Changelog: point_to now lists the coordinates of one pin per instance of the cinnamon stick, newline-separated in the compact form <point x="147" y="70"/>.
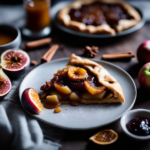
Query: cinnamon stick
<point x="49" y="54"/>
<point x="128" y="54"/>
<point x="38" y="43"/>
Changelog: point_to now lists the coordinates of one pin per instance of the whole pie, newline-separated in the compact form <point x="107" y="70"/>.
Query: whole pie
<point x="99" y="16"/>
<point x="82" y="81"/>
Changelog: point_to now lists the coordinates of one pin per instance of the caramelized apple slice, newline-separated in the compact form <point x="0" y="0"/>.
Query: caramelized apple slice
<point x="62" y="89"/>
<point x="109" y="95"/>
<point x="56" y="93"/>
<point x="74" y="96"/>
<point x="76" y="73"/>
<point x="93" y="90"/>
<point x="52" y="99"/>
<point x="89" y="96"/>
<point x="43" y="95"/>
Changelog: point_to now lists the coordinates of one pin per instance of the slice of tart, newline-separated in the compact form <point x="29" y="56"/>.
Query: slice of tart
<point x="82" y="81"/>
<point x="99" y="16"/>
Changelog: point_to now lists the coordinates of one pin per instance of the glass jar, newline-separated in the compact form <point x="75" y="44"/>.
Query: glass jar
<point x="37" y="16"/>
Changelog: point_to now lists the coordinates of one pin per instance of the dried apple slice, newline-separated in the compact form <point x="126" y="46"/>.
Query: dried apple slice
<point x="104" y="137"/>
<point x="93" y="90"/>
<point x="31" y="101"/>
<point x="62" y="89"/>
<point x="76" y="73"/>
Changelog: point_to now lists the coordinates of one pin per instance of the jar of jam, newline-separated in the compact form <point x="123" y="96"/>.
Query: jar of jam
<point x="37" y="15"/>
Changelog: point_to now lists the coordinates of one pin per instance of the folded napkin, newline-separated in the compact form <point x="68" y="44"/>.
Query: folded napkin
<point x="20" y="131"/>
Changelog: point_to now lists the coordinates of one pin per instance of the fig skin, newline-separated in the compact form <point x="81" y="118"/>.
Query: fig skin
<point x="28" y="103"/>
<point x="15" y="73"/>
<point x="8" y="82"/>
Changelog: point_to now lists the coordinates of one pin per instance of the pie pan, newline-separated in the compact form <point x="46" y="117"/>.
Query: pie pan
<point x="136" y="113"/>
<point x="60" y="4"/>
<point x="81" y="117"/>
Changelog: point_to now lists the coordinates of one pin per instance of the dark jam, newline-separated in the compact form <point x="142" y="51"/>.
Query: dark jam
<point x="99" y="13"/>
<point x="139" y="126"/>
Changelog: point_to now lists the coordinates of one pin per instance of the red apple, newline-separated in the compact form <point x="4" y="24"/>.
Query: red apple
<point x="143" y="52"/>
<point x="144" y="76"/>
<point x="31" y="101"/>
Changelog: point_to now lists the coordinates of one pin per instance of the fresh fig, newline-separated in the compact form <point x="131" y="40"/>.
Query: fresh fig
<point x="5" y="84"/>
<point x="31" y="101"/>
<point x="15" y="62"/>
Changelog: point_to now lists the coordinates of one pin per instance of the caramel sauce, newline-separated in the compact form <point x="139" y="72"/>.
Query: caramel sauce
<point x="37" y="14"/>
<point x="74" y="103"/>
<point x="6" y="38"/>
<point x="105" y="136"/>
<point x="99" y="13"/>
<point x="48" y="105"/>
<point x="57" y="110"/>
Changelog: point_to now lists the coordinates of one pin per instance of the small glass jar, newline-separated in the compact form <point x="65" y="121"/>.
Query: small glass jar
<point x="37" y="17"/>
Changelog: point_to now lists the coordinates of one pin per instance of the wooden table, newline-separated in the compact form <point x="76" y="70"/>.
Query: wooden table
<point x="78" y="140"/>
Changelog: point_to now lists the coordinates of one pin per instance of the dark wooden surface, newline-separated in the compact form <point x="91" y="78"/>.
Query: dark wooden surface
<point x="78" y="140"/>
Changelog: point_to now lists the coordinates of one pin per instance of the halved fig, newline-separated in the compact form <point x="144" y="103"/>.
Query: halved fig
<point x="62" y="89"/>
<point x="5" y="83"/>
<point x="92" y="89"/>
<point x="104" y="137"/>
<point x="15" y="62"/>
<point x="76" y="73"/>
<point x="31" y="101"/>
<point x="53" y="99"/>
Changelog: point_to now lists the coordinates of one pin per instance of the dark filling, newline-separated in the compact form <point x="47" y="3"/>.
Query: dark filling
<point x="99" y="13"/>
<point x="76" y="86"/>
<point x="139" y="126"/>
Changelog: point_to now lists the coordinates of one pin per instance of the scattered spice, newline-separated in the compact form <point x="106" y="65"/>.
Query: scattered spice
<point x="90" y="51"/>
<point x="38" y="43"/>
<point x="118" y="55"/>
<point x="49" y="54"/>
<point x="46" y="87"/>
<point x="34" y="62"/>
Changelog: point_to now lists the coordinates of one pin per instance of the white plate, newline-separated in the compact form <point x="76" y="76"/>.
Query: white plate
<point x="82" y="116"/>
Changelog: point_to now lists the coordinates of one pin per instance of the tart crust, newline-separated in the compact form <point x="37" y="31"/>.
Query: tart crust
<point x="103" y="77"/>
<point x="123" y="24"/>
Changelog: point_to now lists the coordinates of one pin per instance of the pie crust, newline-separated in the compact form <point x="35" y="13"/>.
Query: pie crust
<point x="123" y="24"/>
<point x="111" y="94"/>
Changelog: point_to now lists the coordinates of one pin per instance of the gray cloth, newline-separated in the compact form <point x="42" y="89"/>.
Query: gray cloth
<point x="20" y="131"/>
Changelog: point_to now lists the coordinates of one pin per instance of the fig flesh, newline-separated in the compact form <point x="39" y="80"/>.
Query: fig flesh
<point x="15" y="62"/>
<point x="5" y="83"/>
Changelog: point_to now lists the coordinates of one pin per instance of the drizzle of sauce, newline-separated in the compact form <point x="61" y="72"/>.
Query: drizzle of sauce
<point x="57" y="110"/>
